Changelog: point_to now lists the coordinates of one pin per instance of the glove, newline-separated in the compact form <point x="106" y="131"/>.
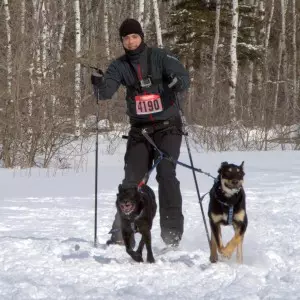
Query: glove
<point x="175" y="84"/>
<point x="97" y="78"/>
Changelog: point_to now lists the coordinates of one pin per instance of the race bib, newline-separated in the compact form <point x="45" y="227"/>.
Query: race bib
<point x="148" y="104"/>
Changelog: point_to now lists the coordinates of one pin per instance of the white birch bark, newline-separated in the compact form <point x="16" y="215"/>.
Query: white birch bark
<point x="233" y="59"/>
<point x="141" y="12"/>
<point x="261" y="41"/>
<point x="157" y="24"/>
<point x="87" y="28"/>
<point x="281" y="59"/>
<point x="108" y="55"/>
<point x="268" y="32"/>
<point x="23" y="11"/>
<point x="106" y="29"/>
<point x="251" y="63"/>
<point x="62" y="31"/>
<point x="147" y="16"/>
<point x="9" y="49"/>
<point x="45" y="38"/>
<point x="191" y="93"/>
<point x="264" y="101"/>
<point x="77" y="89"/>
<point x="294" y="64"/>
<point x="285" y="61"/>
<point x="6" y="142"/>
<point x="34" y="72"/>
<point x="60" y="38"/>
<point x="214" y="53"/>
<point x="36" y="45"/>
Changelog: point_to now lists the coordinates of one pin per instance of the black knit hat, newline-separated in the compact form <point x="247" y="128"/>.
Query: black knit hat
<point x="130" y="26"/>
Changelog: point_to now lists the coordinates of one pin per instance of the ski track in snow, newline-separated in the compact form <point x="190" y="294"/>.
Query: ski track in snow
<point x="38" y="236"/>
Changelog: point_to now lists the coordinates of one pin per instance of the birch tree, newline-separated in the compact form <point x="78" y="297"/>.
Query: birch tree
<point x="107" y="104"/>
<point x="6" y="139"/>
<point x="214" y="53"/>
<point x="23" y="10"/>
<point x="281" y="59"/>
<point x="141" y="12"/>
<point x="77" y="87"/>
<point x="9" y="49"/>
<point x="147" y="16"/>
<point x="266" y="74"/>
<point x="253" y="41"/>
<point x="157" y="24"/>
<point x="233" y="59"/>
<point x="295" y="106"/>
<point x="106" y="30"/>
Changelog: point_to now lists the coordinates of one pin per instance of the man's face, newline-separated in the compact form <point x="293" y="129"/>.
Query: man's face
<point x="131" y="41"/>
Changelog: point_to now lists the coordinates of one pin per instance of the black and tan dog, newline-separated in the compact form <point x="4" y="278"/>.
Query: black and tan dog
<point x="227" y="206"/>
<point x="137" y="209"/>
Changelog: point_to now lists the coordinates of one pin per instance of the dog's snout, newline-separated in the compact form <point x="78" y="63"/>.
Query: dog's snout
<point x="235" y="181"/>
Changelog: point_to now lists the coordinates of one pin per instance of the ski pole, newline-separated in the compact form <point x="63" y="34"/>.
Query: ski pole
<point x="184" y="123"/>
<point x="96" y="165"/>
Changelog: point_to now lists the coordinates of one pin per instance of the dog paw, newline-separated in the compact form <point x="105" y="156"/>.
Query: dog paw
<point x="213" y="258"/>
<point x="137" y="257"/>
<point x="226" y="252"/>
<point x="150" y="259"/>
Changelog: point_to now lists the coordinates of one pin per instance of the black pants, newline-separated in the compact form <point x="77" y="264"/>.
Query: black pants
<point x="139" y="158"/>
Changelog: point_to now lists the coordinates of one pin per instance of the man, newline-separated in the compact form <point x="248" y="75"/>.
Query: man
<point x="146" y="73"/>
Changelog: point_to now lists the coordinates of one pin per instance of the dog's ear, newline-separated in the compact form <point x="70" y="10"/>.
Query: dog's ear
<point x="242" y="165"/>
<point x="223" y="164"/>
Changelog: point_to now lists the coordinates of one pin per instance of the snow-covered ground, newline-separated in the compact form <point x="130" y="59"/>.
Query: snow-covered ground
<point x="44" y="214"/>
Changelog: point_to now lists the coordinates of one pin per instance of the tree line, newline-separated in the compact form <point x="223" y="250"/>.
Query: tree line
<point x="242" y="57"/>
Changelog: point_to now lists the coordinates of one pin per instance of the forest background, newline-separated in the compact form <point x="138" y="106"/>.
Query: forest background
<point x="243" y="58"/>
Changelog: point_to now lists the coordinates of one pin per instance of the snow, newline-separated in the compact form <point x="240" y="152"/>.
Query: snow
<point x="45" y="214"/>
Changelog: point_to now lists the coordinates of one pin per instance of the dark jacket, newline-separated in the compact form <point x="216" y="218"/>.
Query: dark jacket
<point x="163" y="66"/>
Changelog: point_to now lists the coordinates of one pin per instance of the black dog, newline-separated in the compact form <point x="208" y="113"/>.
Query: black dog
<point x="137" y="209"/>
<point x="227" y="206"/>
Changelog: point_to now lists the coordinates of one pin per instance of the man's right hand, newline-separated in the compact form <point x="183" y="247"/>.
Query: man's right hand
<point x="97" y="77"/>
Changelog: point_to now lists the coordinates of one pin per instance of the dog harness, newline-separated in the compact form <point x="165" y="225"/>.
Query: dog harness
<point x="230" y="207"/>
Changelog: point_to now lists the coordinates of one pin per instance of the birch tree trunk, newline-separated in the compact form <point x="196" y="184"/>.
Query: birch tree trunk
<point x="62" y="30"/>
<point x="45" y="38"/>
<point x="106" y="30"/>
<point x="288" y="105"/>
<point x="9" y="49"/>
<point x="251" y="64"/>
<point x="261" y="41"/>
<point x="36" y="45"/>
<point x="107" y="104"/>
<point x="77" y="89"/>
<point x="23" y="11"/>
<point x="141" y="12"/>
<point x="264" y="101"/>
<point x="214" y="54"/>
<point x="233" y="59"/>
<point x="281" y="54"/>
<point x="295" y="83"/>
<point x="157" y="24"/>
<point x="6" y="143"/>
<point x="148" y="14"/>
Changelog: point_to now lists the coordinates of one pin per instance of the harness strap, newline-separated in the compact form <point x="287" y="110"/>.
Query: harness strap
<point x="133" y="227"/>
<point x="137" y="85"/>
<point x="230" y="215"/>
